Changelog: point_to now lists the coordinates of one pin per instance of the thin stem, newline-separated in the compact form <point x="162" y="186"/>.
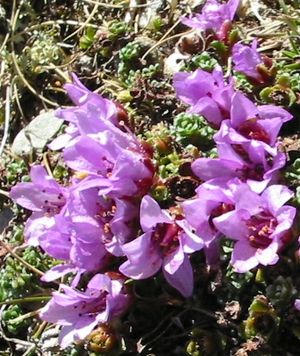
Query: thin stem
<point x="47" y="164"/>
<point x="124" y="6"/>
<point x="7" y="117"/>
<point x="40" y="329"/>
<point x="24" y="317"/>
<point x="4" y="193"/>
<point x="88" y="20"/>
<point x="18" y="301"/>
<point x="21" y="260"/>
<point x="17" y="67"/>
<point x="162" y="40"/>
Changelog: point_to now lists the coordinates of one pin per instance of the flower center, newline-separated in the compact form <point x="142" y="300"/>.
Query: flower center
<point x="165" y="237"/>
<point x="254" y="131"/>
<point x="106" y="214"/>
<point x="221" y="209"/>
<point x="53" y="203"/>
<point x="93" y="306"/>
<point x="255" y="172"/>
<point x="242" y="152"/>
<point x="260" y="227"/>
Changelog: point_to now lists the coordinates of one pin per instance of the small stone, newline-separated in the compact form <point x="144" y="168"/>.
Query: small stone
<point x="36" y="134"/>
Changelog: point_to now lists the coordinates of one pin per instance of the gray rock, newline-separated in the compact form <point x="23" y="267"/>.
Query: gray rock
<point x="49" y="341"/>
<point x="6" y="216"/>
<point x="36" y="134"/>
<point x="150" y="12"/>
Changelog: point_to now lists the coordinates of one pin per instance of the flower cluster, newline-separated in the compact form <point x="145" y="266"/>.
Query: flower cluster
<point x="214" y="17"/>
<point x="85" y="224"/>
<point x="103" y="215"/>
<point x="105" y="224"/>
<point x="240" y="198"/>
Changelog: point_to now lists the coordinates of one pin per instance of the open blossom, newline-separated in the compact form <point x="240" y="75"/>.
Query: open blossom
<point x="248" y="61"/>
<point x="90" y="114"/>
<point x="297" y="304"/>
<point x="165" y="244"/>
<point x="44" y="197"/>
<point x="249" y="122"/>
<point x="116" y="169"/>
<point x="78" y="243"/>
<point x="206" y="93"/>
<point x="43" y="194"/>
<point x="249" y="162"/>
<point x="79" y="312"/>
<point x="214" y="16"/>
<point x="260" y="225"/>
<point x="214" y="198"/>
<point x="97" y="145"/>
<point x="79" y="228"/>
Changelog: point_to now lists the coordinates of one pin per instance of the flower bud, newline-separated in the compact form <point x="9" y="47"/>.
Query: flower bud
<point x="102" y="339"/>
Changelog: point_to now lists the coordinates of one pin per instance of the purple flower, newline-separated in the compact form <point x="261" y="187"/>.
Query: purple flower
<point x="213" y="16"/>
<point x="214" y="198"/>
<point x="297" y="304"/>
<point x="260" y="226"/>
<point x="92" y="113"/>
<point x="98" y="146"/>
<point x="81" y="235"/>
<point x="116" y="169"/>
<point x="79" y="312"/>
<point x="120" y="224"/>
<point x="166" y="243"/>
<point x="249" y="122"/>
<point x="246" y="59"/>
<point x="249" y="162"/>
<point x="44" y="197"/>
<point x="43" y="194"/>
<point x="206" y="93"/>
<point x="76" y="241"/>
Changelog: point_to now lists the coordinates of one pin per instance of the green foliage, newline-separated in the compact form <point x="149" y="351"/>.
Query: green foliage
<point x="292" y="173"/>
<point x="192" y="129"/>
<point x="167" y="159"/>
<point x="238" y="280"/>
<point x="262" y="319"/>
<point x="204" y="342"/>
<point x="88" y="38"/>
<point x="168" y="166"/>
<point x="281" y="93"/>
<point x="130" y="52"/>
<point x="151" y="71"/>
<point x="242" y="83"/>
<point x="156" y="24"/>
<point x="159" y="137"/>
<point x="17" y="235"/>
<point x="161" y="193"/>
<point x="204" y="61"/>
<point x="44" y="51"/>
<point x="295" y="82"/>
<point x="11" y="313"/>
<point x="129" y="68"/>
<point x="16" y="170"/>
<point x="16" y="280"/>
<point x="37" y="259"/>
<point x="116" y="29"/>
<point x="281" y="291"/>
<point x="60" y="172"/>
